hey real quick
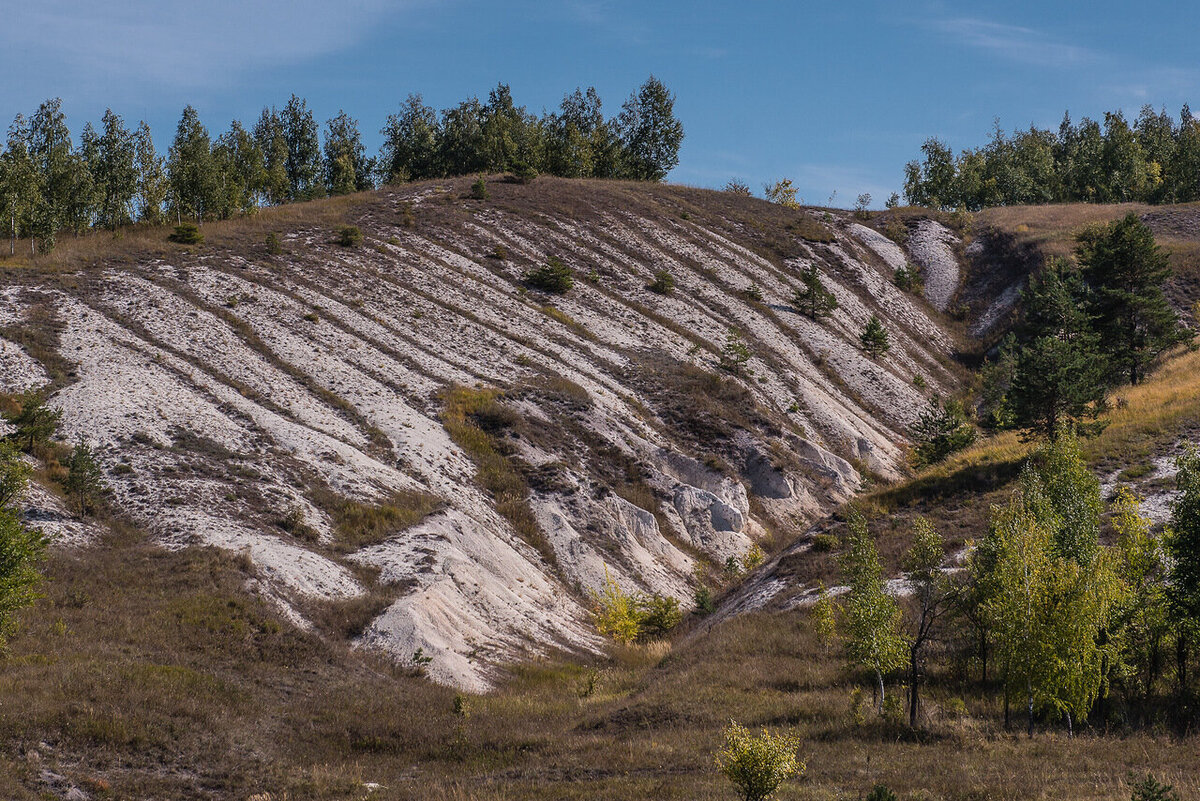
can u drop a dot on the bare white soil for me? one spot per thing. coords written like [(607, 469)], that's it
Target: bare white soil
[(232, 390)]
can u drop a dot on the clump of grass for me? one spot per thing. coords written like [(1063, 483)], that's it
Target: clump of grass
[(359, 525), (474, 418), (561, 316)]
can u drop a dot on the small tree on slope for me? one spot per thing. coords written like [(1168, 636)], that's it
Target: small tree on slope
[(874, 338), (872, 618)]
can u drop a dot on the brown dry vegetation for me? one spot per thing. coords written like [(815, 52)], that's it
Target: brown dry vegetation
[(148, 674)]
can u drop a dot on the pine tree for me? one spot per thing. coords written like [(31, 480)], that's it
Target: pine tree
[(735, 353), (84, 482), (814, 299), (1126, 271), (650, 133), (1059, 375), (874, 338), (940, 430), (21, 546)]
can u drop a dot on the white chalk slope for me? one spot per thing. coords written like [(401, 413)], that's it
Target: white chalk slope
[(229, 389)]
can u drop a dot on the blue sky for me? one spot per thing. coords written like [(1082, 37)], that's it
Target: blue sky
[(836, 96)]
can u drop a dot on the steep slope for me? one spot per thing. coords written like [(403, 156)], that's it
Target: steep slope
[(509, 448)]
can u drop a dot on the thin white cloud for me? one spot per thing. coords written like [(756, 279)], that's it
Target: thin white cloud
[(178, 44), (1015, 43)]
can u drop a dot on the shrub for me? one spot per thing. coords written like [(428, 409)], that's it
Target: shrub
[(782, 192), (658, 614), (553, 276), (757, 765), (499, 253), (704, 600), (407, 218), (753, 293), (349, 236), (825, 543), (753, 558), (187, 234), (880, 793), (1150, 789), (896, 231), (662, 284), (479, 190), (908, 279), (736, 187), (274, 244), (524, 173), (860, 206), (615, 612)]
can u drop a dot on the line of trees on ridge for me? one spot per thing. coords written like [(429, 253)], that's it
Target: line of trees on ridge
[(114, 176), (1154, 160)]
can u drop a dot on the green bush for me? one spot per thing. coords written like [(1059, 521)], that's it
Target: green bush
[(704, 600), (908, 279), (754, 293), (349, 236), (757, 765), (553, 276), (658, 615), (825, 543), (753, 558), (524, 173), (187, 234), (880, 793), (479, 190), (1150, 789), (662, 284), (274, 244)]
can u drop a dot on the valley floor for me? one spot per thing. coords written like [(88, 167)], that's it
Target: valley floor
[(149, 674)]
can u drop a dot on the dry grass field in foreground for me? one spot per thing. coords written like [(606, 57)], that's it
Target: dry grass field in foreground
[(148, 674)]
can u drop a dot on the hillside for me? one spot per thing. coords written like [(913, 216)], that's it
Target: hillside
[(468, 456), (404, 437)]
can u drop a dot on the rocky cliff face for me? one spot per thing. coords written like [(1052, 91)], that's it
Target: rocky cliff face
[(259, 402)]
